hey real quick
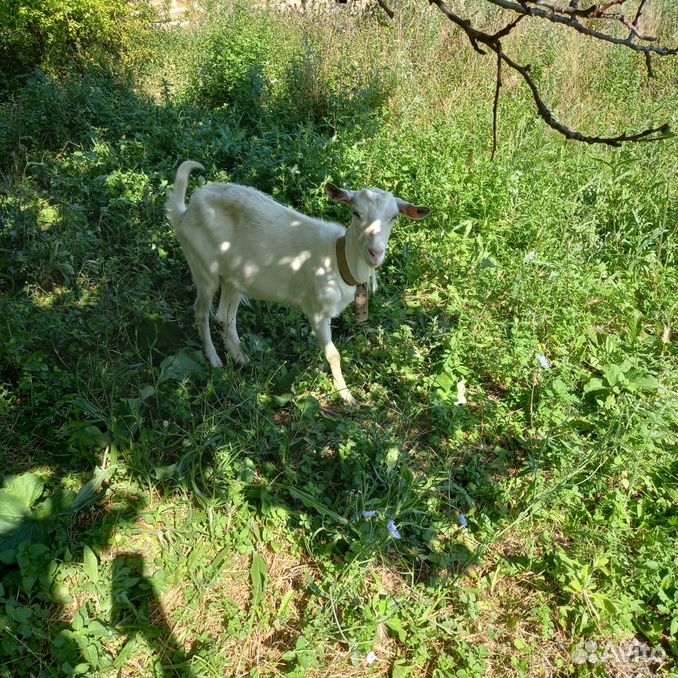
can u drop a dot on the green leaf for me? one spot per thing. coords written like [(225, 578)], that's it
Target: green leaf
[(520, 645), (310, 501), (126, 652), (594, 385), (396, 625), (180, 365), (392, 459), (89, 490), (643, 382), (96, 628), (91, 564), (164, 472), (613, 374), (12, 512), (259, 576), (27, 488), (401, 669), (147, 392)]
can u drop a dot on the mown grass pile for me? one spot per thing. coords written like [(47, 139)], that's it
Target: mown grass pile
[(501, 501)]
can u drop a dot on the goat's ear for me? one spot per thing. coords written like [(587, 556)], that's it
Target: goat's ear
[(416, 213), (339, 194)]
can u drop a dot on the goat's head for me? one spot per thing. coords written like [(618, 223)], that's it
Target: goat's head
[(374, 213)]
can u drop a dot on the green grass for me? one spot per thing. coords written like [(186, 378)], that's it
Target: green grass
[(163, 518)]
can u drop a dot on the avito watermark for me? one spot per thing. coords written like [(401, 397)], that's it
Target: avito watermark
[(592, 652)]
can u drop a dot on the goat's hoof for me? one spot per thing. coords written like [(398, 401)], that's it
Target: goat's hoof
[(349, 399), (242, 360), (216, 363)]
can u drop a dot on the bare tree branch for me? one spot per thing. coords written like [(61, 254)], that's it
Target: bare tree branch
[(496, 103), (493, 42), (573, 22), (386, 8), (655, 134), (636, 19)]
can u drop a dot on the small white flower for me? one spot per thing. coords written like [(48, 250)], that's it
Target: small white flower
[(461, 393), (544, 362), (530, 257), (370, 658), (392, 529), (165, 424), (369, 514)]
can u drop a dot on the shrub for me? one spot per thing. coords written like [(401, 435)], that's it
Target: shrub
[(58, 35)]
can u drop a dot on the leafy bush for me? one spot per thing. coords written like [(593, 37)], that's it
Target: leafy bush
[(233, 61), (47, 112), (58, 35)]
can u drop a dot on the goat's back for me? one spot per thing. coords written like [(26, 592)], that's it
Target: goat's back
[(267, 250)]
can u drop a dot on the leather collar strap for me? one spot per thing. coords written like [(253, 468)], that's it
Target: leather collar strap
[(343, 264)]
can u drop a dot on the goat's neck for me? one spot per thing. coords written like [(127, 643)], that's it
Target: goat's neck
[(355, 259)]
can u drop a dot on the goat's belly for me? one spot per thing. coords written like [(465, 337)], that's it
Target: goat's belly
[(314, 295)]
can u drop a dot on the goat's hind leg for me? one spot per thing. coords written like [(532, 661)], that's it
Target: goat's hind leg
[(202, 306), (226, 317)]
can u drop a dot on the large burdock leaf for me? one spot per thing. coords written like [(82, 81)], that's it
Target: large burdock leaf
[(27, 488), (180, 365), (13, 512), (17, 526)]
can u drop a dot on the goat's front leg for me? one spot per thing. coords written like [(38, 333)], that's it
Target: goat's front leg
[(322, 329)]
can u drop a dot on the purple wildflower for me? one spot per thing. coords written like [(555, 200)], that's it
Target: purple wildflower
[(392, 529), (544, 362)]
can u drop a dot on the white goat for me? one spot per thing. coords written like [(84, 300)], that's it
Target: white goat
[(253, 247)]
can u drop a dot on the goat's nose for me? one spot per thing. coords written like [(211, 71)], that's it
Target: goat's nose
[(375, 252)]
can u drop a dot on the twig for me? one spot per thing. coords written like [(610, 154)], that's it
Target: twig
[(636, 18), (627, 23), (386, 8), (496, 103), (507, 29), (573, 22), (606, 6), (654, 134), (473, 35), (648, 64), (493, 42)]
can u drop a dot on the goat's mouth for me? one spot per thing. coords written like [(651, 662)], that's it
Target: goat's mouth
[(374, 257)]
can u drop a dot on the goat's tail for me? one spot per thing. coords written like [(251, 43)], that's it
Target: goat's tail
[(176, 197)]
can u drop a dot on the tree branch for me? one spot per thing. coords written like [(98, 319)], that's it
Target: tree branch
[(493, 42), (636, 18), (573, 22), (496, 103), (386, 8), (655, 134)]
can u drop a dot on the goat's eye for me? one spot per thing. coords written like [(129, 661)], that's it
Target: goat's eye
[(355, 214), (394, 217)]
